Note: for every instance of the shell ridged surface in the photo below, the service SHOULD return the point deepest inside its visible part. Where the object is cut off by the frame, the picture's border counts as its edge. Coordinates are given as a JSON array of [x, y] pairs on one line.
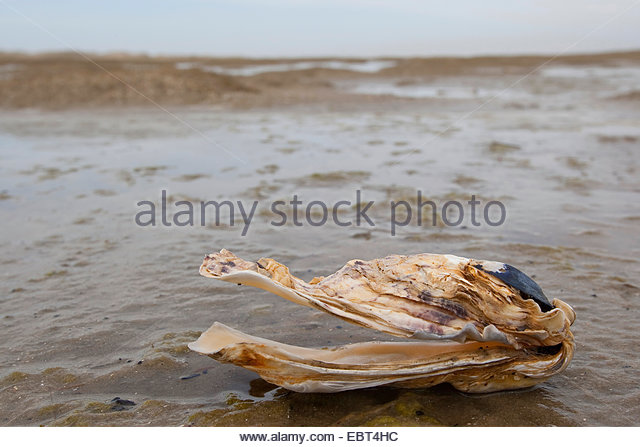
[[465, 326]]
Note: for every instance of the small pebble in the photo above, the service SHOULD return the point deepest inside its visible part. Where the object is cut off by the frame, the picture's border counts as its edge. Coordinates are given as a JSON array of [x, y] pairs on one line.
[[121, 404], [128, 403], [191, 376]]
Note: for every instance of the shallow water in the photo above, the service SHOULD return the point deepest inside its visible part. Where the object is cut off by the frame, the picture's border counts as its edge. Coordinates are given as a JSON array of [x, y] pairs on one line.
[[370, 66], [95, 307]]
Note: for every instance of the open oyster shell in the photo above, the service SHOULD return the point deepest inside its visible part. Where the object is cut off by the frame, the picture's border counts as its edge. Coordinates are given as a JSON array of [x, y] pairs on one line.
[[479, 325]]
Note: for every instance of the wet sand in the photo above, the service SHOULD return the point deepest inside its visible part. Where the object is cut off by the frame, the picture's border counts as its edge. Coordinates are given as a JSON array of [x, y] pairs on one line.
[[96, 308]]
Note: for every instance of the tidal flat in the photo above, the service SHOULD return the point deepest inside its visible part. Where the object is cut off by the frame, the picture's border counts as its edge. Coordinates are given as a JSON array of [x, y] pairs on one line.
[[97, 311]]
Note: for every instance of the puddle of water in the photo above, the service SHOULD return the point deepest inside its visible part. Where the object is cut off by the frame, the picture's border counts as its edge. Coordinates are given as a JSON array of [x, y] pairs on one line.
[[435, 91], [370, 66]]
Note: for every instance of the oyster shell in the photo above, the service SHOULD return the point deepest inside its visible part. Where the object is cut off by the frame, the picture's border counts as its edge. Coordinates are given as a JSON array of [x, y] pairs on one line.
[[479, 325]]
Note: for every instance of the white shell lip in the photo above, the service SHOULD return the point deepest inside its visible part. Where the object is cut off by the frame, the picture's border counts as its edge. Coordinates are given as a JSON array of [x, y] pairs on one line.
[[220, 336], [226, 336], [255, 279]]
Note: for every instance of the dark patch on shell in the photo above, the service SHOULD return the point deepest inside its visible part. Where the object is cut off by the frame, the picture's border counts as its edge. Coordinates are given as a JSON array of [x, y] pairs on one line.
[[527, 287], [549, 350], [425, 295], [436, 317], [454, 308], [435, 329]]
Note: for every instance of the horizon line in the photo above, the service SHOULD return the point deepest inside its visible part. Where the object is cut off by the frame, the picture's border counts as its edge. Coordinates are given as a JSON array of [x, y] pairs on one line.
[[151, 54]]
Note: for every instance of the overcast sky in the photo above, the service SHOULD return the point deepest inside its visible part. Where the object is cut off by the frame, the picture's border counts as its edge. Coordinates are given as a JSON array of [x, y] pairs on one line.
[[291, 28]]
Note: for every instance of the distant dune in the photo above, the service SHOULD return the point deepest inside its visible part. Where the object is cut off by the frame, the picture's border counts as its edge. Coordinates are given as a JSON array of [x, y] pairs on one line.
[[67, 80]]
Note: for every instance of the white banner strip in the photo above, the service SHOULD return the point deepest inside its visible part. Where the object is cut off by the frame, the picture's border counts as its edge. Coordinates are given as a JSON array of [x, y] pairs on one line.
[[317, 436]]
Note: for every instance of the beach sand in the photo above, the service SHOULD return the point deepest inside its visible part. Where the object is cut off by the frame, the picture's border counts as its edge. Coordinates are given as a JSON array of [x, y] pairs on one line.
[[96, 308]]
